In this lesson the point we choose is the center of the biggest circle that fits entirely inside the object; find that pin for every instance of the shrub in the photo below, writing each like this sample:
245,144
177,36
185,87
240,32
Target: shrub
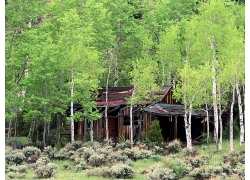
154,135
49,151
160,173
43,160
31,153
12,175
206,172
121,171
96,160
191,152
156,157
45,171
130,153
142,154
14,157
15,143
105,151
74,145
99,171
62,154
179,168
123,145
91,144
197,161
240,170
22,168
233,158
227,168
174,147
116,157
86,153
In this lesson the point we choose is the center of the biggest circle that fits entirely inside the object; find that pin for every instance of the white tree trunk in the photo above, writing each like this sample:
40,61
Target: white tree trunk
214,91
242,133
116,59
207,124
188,129
220,121
91,131
231,123
72,109
131,124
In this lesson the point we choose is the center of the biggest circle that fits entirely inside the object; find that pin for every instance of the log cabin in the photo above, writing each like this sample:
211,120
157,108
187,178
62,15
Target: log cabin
163,108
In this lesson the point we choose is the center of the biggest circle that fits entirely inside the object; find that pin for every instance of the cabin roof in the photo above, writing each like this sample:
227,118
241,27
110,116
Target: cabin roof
118,95
171,110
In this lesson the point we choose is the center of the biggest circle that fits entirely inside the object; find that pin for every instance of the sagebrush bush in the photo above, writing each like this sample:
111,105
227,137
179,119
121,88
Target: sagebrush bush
240,170
99,172
31,153
105,151
123,145
49,152
121,171
179,167
96,160
86,153
14,157
160,173
174,147
45,171
206,172
233,158
93,145
43,160
116,157
74,145
191,152
197,161
62,154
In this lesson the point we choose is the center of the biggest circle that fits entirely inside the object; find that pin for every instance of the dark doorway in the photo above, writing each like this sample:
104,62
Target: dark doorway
113,127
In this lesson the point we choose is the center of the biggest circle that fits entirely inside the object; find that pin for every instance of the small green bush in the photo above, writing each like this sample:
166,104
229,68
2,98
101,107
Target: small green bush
14,157
174,147
122,171
130,153
99,172
142,154
12,175
179,168
197,161
86,153
154,135
46,171
191,152
49,152
160,173
115,157
31,154
240,170
93,145
206,172
96,160
62,154
233,158
74,145
105,151
16,175
123,145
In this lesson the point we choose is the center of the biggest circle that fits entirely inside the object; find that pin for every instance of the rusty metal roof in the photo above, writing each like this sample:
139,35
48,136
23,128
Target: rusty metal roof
171,110
118,95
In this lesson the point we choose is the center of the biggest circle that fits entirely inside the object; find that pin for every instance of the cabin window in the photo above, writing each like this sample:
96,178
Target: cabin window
126,120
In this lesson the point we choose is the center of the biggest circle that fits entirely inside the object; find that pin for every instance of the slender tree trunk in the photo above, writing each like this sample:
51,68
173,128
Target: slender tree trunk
175,128
44,132
207,124
231,123
72,109
48,132
91,131
214,91
116,59
9,131
188,129
30,131
242,133
131,125
85,127
58,115
220,120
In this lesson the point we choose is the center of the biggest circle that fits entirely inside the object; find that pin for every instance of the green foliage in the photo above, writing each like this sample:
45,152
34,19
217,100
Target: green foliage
197,161
174,147
99,172
205,172
233,158
121,171
236,130
154,135
179,167
160,173
62,154
191,152
14,157
74,145
46,171
31,154
240,170
123,145
49,152
96,160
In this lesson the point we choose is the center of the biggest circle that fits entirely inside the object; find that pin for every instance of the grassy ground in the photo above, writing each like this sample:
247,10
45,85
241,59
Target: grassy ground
142,165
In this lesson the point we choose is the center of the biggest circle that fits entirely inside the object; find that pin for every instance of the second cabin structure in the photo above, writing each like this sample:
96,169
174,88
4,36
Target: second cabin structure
164,108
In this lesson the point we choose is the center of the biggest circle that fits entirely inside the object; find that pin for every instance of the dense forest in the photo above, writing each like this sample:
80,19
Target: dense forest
60,52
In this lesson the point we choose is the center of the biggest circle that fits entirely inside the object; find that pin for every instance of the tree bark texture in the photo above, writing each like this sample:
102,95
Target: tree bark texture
72,108
188,129
91,131
242,132
58,125
231,122
220,120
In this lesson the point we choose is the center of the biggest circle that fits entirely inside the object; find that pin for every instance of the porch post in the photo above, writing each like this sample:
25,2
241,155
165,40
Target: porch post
175,128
